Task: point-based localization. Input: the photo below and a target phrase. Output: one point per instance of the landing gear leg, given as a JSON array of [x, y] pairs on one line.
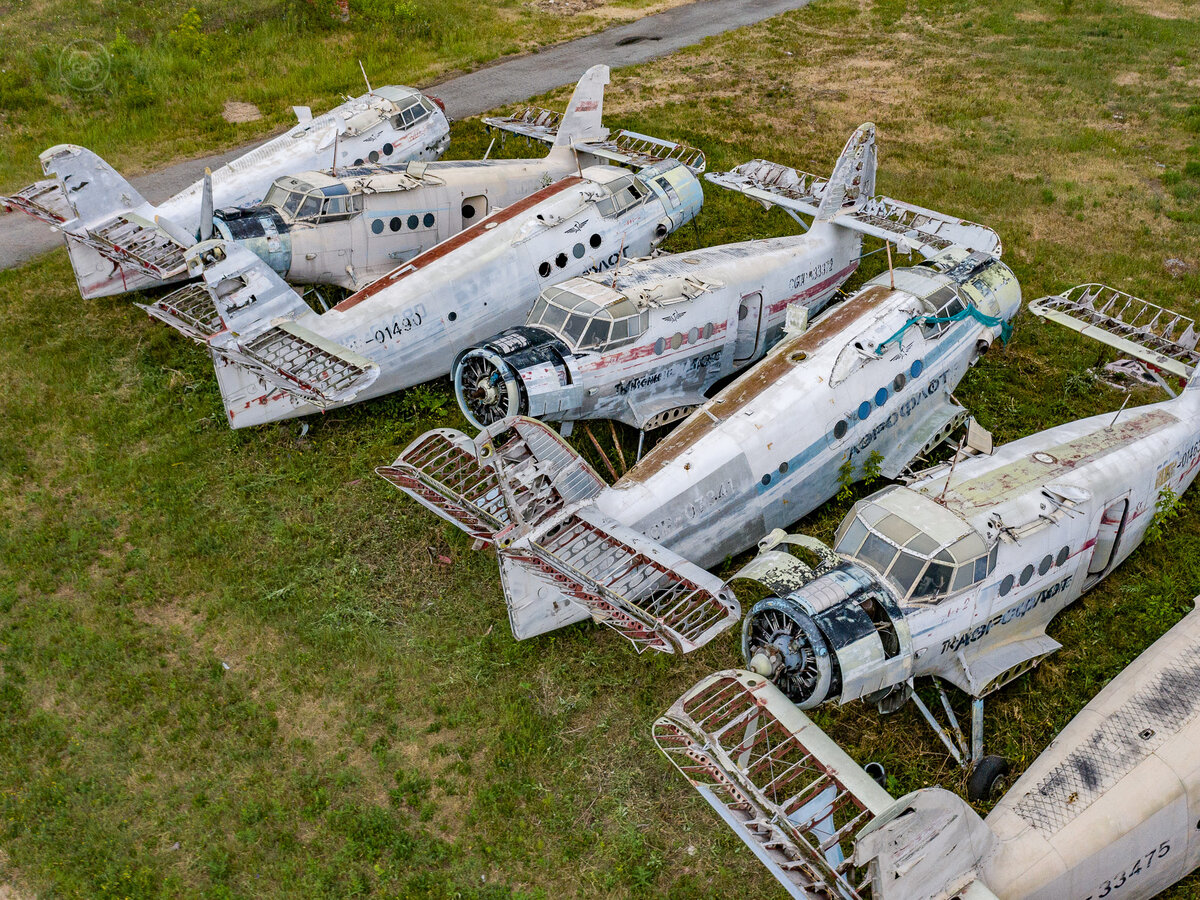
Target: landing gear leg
[[986, 771]]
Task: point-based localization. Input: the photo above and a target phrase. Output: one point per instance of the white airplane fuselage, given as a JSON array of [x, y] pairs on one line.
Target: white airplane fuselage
[[710, 312], [400, 212], [412, 322], [771, 447]]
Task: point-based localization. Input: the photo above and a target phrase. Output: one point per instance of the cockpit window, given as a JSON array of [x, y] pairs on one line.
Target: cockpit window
[[310, 208], [590, 317], [415, 112], [624, 192], [921, 566], [292, 202], [944, 303]]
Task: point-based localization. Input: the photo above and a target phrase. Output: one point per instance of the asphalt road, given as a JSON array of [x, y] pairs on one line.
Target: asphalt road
[[509, 80]]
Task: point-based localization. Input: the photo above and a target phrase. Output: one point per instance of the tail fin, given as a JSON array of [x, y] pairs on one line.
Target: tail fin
[[522, 488], [852, 183], [812, 816], [92, 187], [582, 120]]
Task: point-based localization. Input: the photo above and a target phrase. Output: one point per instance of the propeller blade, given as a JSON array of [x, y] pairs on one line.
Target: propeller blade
[[206, 207]]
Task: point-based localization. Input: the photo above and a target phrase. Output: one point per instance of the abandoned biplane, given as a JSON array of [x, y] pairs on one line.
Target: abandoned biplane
[[957, 574], [868, 381], [1108, 810], [277, 358], [644, 345], [350, 225], [119, 242]]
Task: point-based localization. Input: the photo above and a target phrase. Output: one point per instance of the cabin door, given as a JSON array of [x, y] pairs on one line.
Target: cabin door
[[473, 209], [1108, 537], [749, 329]]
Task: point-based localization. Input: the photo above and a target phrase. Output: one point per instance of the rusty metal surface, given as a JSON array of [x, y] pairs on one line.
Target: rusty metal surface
[[758, 380]]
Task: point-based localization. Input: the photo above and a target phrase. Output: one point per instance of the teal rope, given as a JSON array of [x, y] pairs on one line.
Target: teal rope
[[970, 310]]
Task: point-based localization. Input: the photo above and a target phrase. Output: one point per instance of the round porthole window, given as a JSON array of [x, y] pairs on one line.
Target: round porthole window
[[839, 429], [783, 467], [1026, 574], [544, 270], [387, 149], [1045, 564], [916, 368], [452, 316], [594, 240], [413, 221], [1007, 585], [377, 226], [578, 251], [708, 331], [358, 162], [864, 409], [676, 341], [468, 211], [766, 479], [395, 223], [428, 220], [1063, 555], [373, 156], [693, 335], [659, 346], [881, 396], [899, 383], [561, 260]]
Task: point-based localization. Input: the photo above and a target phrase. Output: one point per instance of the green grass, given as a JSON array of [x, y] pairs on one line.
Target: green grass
[[377, 731], [143, 82]]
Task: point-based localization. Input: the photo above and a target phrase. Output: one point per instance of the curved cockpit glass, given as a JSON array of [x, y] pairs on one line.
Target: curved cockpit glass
[[623, 193], [412, 112], [589, 316], [299, 201], [942, 555]]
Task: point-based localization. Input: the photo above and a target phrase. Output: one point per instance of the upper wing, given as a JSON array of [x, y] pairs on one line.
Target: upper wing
[[1158, 336], [629, 148]]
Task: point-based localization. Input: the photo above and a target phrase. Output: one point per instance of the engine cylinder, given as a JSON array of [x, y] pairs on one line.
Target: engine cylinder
[[487, 388]]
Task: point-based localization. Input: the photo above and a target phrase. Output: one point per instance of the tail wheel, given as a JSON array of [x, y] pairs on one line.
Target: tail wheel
[[778, 632], [486, 387]]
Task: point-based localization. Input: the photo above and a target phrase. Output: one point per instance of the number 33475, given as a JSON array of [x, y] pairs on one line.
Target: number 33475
[[1143, 864]]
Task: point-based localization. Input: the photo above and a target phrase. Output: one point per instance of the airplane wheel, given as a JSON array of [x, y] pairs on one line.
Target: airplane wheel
[[985, 776]]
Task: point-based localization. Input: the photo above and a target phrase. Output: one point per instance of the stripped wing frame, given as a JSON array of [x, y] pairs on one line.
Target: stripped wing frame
[[189, 310], [790, 804], [444, 476], [654, 606], [1151, 333]]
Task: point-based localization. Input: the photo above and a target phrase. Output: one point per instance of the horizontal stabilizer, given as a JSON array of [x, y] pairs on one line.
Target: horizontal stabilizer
[[441, 472], [246, 292], [1164, 339], [43, 200], [788, 791], [189, 310], [304, 364], [629, 148], [511, 478], [652, 596], [132, 241], [813, 817], [908, 226], [532, 122], [520, 486]]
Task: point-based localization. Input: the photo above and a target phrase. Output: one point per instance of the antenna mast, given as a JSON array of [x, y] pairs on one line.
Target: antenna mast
[[365, 78]]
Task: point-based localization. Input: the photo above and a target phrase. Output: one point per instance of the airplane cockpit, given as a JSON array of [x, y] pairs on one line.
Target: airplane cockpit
[[588, 316], [299, 201], [941, 555]]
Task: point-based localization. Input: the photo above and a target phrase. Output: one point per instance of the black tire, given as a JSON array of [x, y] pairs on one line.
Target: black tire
[[985, 776]]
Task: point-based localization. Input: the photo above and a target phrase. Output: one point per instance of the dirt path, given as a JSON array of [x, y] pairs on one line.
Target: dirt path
[[507, 81]]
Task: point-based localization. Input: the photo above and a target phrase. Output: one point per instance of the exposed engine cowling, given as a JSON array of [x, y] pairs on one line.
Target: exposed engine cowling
[[839, 637], [524, 371], [261, 230]]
